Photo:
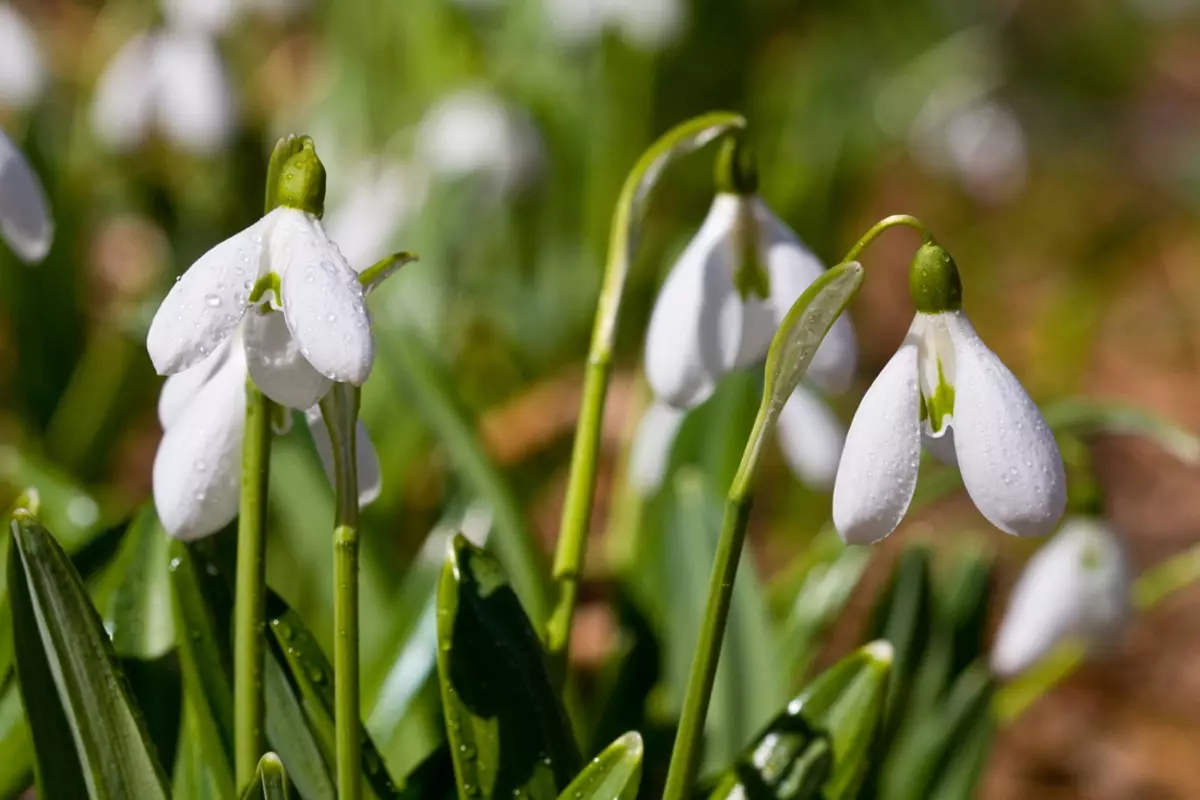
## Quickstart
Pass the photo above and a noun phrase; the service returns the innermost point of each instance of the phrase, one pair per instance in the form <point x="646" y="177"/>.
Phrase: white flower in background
<point x="945" y="389"/>
<point x="380" y="196"/>
<point x="472" y="131"/>
<point x="200" y="16"/>
<point x="1076" y="587"/>
<point x="810" y="439"/>
<point x="647" y="24"/>
<point x="172" y="81"/>
<point x="198" y="466"/>
<point x="25" y="222"/>
<point x="22" y="73"/>
<point x="980" y="142"/>
<point x="718" y="310"/>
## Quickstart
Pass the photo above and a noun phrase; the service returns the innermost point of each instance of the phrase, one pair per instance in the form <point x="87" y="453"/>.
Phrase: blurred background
<point x="1053" y="148"/>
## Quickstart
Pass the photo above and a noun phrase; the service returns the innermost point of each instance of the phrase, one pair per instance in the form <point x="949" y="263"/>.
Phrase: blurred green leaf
<point x="133" y="590"/>
<point x="195" y="776"/>
<point x="71" y="682"/>
<point x="311" y="676"/>
<point x="749" y="685"/>
<point x="958" y="778"/>
<point x="612" y="775"/>
<point x="1080" y="416"/>
<point x="270" y="781"/>
<point x="16" y="742"/>
<point x="507" y="729"/>
<point x="788" y="761"/>
<point x="433" y="394"/>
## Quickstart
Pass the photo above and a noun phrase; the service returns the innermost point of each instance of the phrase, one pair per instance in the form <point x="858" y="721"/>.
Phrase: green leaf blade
<point x="612" y="775"/>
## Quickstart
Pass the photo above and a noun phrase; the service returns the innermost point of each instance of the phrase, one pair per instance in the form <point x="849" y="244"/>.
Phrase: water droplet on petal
<point x="212" y="300"/>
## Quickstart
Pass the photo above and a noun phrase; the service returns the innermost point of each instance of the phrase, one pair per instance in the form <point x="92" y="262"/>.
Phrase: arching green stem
<point x="879" y="227"/>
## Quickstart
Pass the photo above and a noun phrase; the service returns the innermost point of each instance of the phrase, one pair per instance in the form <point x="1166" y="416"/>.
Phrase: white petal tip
<point x="880" y="651"/>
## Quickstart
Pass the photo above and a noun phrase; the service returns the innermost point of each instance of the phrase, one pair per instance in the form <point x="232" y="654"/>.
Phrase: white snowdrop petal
<point x="194" y="98"/>
<point x="648" y="24"/>
<point x="811" y="438"/>
<point x="123" y="101"/>
<point x="652" y="442"/>
<point x="197" y="470"/>
<point x="792" y="268"/>
<point x="370" y="479"/>
<point x="322" y="300"/>
<point x="22" y="73"/>
<point x="25" y="221"/>
<point x="380" y="197"/>
<point x="1077" y="585"/>
<point x="696" y="327"/>
<point x="206" y="302"/>
<point x="199" y="16"/>
<point x="878" y="471"/>
<point x="1007" y="455"/>
<point x="942" y="445"/>
<point x="180" y="389"/>
<point x="276" y="364"/>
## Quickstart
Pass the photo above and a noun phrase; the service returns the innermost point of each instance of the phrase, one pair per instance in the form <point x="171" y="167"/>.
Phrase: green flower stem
<point x="249" y="606"/>
<point x="577" y="508"/>
<point x="881" y="226"/>
<point x="690" y="735"/>
<point x="340" y="410"/>
<point x="1151" y="588"/>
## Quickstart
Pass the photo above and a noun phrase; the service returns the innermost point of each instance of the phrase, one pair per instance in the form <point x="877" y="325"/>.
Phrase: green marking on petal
<point x="1091" y="559"/>
<point x="941" y="404"/>
<point x="749" y="278"/>
<point x="267" y="283"/>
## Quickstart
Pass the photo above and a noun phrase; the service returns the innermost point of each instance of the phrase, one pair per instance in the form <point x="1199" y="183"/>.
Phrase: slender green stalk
<point x="340" y="410"/>
<point x="249" y="606"/>
<point x="577" y="508"/>
<point x="881" y="226"/>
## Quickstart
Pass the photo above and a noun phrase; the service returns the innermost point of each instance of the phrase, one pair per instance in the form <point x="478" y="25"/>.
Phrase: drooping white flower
<point x="1076" y="587"/>
<point x="981" y="143"/>
<point x="198" y="466"/>
<point x="647" y="24"/>
<point x="705" y="325"/>
<point x="200" y="16"/>
<point x="945" y="389"/>
<point x="474" y="131"/>
<point x="22" y="72"/>
<point x="175" y="82"/>
<point x="381" y="194"/>
<point x="810" y="439"/>
<point x="25" y="222"/>
<point x="322" y="335"/>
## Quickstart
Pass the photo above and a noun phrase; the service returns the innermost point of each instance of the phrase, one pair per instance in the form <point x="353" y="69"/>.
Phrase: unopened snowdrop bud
<point x="945" y="389"/>
<point x="25" y="222"/>
<point x="324" y="331"/>
<point x="729" y="291"/>
<point x="1077" y="586"/>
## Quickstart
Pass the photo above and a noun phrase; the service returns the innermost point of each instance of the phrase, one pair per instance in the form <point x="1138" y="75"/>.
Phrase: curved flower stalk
<point x="25" y="222"/>
<point x="173" y="80"/>
<point x="946" y="390"/>
<point x="728" y="292"/>
<point x="22" y="71"/>
<point x="1077" y="586"/>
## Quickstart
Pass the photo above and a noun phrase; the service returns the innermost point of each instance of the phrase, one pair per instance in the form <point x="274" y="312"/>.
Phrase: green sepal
<point x="612" y="775"/>
<point x="89" y="736"/>
<point x="933" y="280"/>
<point x="270" y="781"/>
<point x="507" y="729"/>
<point x="296" y="177"/>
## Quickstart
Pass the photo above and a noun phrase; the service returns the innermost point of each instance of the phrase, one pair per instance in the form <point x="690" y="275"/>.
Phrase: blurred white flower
<point x="25" y="221"/>
<point x="810" y="438"/>
<point x="1077" y="586"/>
<point x="946" y="389"/>
<point x="199" y="16"/>
<point x="979" y="141"/>
<point x="22" y="73"/>
<point x="379" y="196"/>
<point x="198" y="466"/>
<point x="323" y="333"/>
<point x="174" y="81"/>
<point x="647" y="24"/>
<point x="704" y="326"/>
<point x="473" y="131"/>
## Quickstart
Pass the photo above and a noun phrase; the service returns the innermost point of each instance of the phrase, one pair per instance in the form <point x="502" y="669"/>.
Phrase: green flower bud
<point x="736" y="170"/>
<point x="302" y="181"/>
<point x="933" y="280"/>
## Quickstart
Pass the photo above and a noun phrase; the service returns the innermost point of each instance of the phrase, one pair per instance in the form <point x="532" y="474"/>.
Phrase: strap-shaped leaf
<point x="1083" y="417"/>
<point x="612" y="775"/>
<point x="133" y="590"/>
<point x="16" y="742"/>
<point x="508" y="732"/>
<point x="89" y="737"/>
<point x="789" y="760"/>
<point x="270" y="781"/>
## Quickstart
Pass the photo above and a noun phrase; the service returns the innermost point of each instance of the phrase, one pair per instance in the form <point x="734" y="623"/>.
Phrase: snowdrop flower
<point x="980" y="142"/>
<point x="727" y="294"/>
<point x="810" y="439"/>
<point x="199" y="16"/>
<point x="380" y="196"/>
<point x="473" y="131"/>
<point x="198" y="466"/>
<point x="1077" y="586"/>
<point x="323" y="333"/>
<point x="171" y="80"/>
<point x="945" y="389"/>
<point x="22" y="73"/>
<point x="647" y="24"/>
<point x="25" y="222"/>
